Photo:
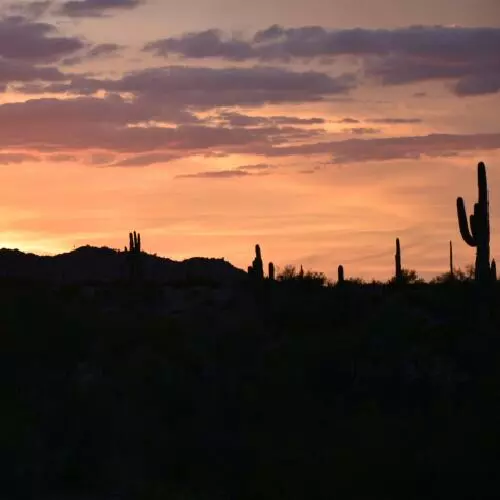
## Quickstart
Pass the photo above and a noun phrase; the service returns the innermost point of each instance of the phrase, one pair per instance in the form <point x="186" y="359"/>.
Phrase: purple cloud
<point x="35" y="42"/>
<point x="392" y="148"/>
<point x="255" y="167"/>
<point x="23" y="72"/>
<point x="9" y="158"/>
<point x="361" y="130"/>
<point x="395" y="121"/>
<point x="235" y="119"/>
<point x="206" y="88"/>
<point x="217" y="174"/>
<point x="116" y="125"/>
<point x="145" y="160"/>
<point x="95" y="8"/>
<point x="393" y="56"/>
<point x="61" y="158"/>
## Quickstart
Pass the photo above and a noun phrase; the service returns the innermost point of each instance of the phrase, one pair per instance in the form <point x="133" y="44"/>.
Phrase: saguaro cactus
<point x="452" y="272"/>
<point x="271" y="271"/>
<point x="493" y="270"/>
<point x="340" y="273"/>
<point x="134" y="254"/>
<point x="256" y="270"/>
<point x="478" y="235"/>
<point x="134" y="242"/>
<point x="397" y="259"/>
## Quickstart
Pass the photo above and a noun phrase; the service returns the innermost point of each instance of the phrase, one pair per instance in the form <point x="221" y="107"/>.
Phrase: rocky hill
<point x="103" y="265"/>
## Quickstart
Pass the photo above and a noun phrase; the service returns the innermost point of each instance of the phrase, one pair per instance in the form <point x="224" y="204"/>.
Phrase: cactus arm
<point x="463" y="224"/>
<point x="482" y="183"/>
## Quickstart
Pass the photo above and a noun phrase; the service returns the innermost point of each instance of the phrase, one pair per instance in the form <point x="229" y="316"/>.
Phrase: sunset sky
<point x="321" y="129"/>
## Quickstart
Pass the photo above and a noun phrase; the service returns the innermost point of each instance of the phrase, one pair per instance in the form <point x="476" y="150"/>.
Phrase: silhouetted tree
<point x="408" y="277"/>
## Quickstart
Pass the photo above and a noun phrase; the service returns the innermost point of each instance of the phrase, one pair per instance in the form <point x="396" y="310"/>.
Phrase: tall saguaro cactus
<point x="397" y="259"/>
<point x="256" y="270"/>
<point x="478" y="235"/>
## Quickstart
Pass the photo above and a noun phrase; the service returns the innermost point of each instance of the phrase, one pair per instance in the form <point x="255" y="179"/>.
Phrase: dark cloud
<point x="211" y="87"/>
<point x="393" y="148"/>
<point x="61" y="158"/>
<point x="485" y="83"/>
<point x="95" y="8"/>
<point x="207" y="88"/>
<point x="35" y="42"/>
<point x="393" y="56"/>
<point x="361" y="130"/>
<point x="202" y="44"/>
<point x="255" y="167"/>
<point x="9" y="158"/>
<point x="349" y="120"/>
<point x="116" y="125"/>
<point x="394" y="121"/>
<point x="235" y="119"/>
<point x="100" y="158"/>
<point x="24" y="72"/>
<point x="145" y="160"/>
<point x="217" y="174"/>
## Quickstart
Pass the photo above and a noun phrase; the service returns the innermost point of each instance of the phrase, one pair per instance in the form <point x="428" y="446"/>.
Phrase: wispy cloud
<point x="216" y="174"/>
<point x="96" y="8"/>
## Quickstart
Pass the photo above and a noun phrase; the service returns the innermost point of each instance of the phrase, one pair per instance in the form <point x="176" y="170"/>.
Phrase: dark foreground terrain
<point x="280" y="390"/>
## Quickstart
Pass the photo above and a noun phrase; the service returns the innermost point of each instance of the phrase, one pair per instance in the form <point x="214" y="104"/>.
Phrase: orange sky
<point x="322" y="143"/>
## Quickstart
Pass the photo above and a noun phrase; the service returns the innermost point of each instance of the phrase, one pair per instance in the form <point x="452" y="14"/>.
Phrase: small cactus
<point x="493" y="271"/>
<point x="271" y="271"/>
<point x="397" y="258"/>
<point x="340" y="272"/>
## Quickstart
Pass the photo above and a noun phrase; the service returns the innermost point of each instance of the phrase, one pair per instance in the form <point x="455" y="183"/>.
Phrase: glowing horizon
<point x="318" y="134"/>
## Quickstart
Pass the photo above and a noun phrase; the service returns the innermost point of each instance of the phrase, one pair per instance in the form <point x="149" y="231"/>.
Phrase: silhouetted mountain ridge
<point x="104" y="264"/>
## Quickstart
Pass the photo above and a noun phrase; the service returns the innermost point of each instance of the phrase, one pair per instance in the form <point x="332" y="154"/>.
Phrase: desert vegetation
<point x="126" y="375"/>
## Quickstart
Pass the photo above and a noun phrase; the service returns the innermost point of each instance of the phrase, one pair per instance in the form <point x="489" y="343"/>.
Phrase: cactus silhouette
<point x="134" y="242"/>
<point x="452" y="273"/>
<point x="271" y="272"/>
<point x="493" y="270"/>
<point x="478" y="235"/>
<point x="256" y="270"/>
<point x="340" y="272"/>
<point x="134" y="254"/>
<point x="397" y="258"/>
